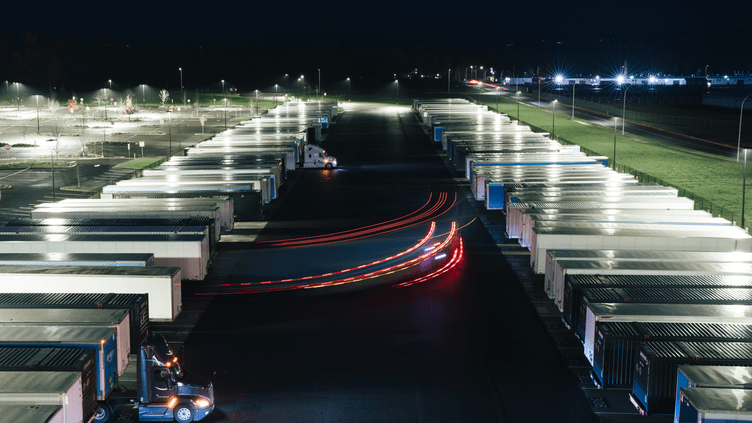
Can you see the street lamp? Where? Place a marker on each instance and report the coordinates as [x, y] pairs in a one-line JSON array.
[[739, 141], [287, 83], [518, 106], [257, 106], [18, 98], [275, 95], [319, 86], [223, 87], [573, 87], [553, 130], [614, 160], [110, 80], [621, 80], [449, 79], [37, 96], [349, 90], [225, 101], [397, 83], [181, 79], [744, 185]]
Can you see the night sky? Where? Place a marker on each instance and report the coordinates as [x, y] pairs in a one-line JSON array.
[[575, 36]]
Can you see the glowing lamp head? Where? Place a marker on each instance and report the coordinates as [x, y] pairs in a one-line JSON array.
[[620, 79], [559, 79]]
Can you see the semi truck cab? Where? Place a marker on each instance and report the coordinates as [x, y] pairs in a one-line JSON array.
[[315, 157], [164, 392]]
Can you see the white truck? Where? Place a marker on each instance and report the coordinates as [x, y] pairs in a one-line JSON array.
[[315, 156]]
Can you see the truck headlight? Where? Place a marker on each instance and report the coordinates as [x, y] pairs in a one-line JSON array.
[[202, 402]]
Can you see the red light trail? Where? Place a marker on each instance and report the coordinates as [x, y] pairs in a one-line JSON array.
[[457, 254], [427, 212]]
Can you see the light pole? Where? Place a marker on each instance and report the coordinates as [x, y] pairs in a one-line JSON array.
[[223, 87], [622, 84], [257, 108], [349, 89], [553, 130], [518, 106], [739, 141], [318, 88], [573, 87], [275, 95], [287, 83], [744, 185], [449, 79], [105, 104], [615, 120], [397, 83], [18, 98], [302, 85], [181, 79], [110, 80], [52, 165], [37, 96], [225, 101], [143, 94]]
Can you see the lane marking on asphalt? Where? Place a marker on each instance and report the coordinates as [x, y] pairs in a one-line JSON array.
[[24, 170]]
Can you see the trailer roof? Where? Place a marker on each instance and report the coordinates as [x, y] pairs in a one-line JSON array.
[[36, 382], [101, 238], [700, 312], [695, 256], [29, 414], [718, 375], [708, 231], [720, 402], [22, 316], [653, 267], [82, 271]]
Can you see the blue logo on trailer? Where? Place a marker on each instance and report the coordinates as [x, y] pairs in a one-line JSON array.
[[324, 122], [438, 133]]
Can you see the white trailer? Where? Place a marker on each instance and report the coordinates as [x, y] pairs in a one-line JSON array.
[[516, 216], [671, 313], [554, 256], [33, 413], [528, 217], [44, 388], [188, 252], [650, 268], [163, 284], [719, 239], [219, 208], [118, 319], [626, 217]]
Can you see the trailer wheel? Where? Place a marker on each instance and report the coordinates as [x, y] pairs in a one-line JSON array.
[[328, 166], [183, 413], [103, 413]]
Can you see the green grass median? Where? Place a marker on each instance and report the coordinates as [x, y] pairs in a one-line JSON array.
[[142, 163]]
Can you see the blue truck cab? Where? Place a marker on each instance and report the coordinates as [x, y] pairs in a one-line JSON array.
[[163, 392]]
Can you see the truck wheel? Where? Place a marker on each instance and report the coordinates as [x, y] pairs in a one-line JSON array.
[[103, 413], [183, 413], [328, 166]]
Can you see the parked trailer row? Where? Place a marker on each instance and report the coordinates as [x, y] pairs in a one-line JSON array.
[[701, 303], [162, 284], [62, 389], [137, 306], [555, 287]]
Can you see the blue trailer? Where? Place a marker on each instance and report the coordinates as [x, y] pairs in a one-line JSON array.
[[101, 340], [723, 377], [656, 363], [708, 405]]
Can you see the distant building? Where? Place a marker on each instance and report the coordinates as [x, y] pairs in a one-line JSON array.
[[720, 80]]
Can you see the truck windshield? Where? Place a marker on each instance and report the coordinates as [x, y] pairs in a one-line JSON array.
[[177, 372]]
